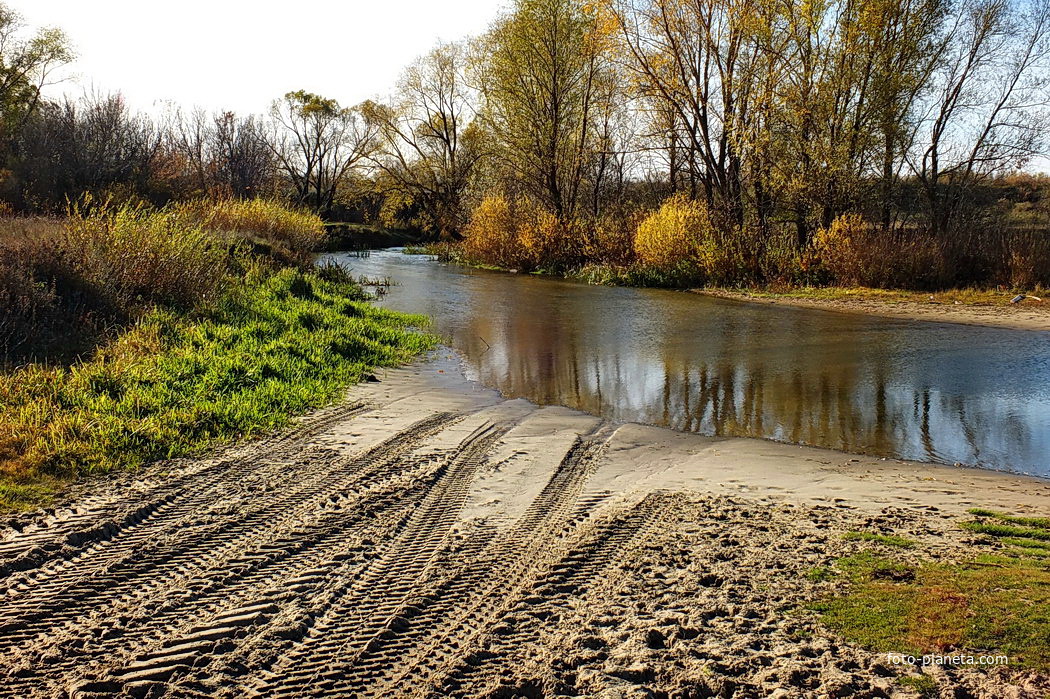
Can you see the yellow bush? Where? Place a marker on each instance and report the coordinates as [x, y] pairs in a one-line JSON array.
[[856, 254], [491, 234], [522, 235], [544, 243], [288, 233], [673, 239]]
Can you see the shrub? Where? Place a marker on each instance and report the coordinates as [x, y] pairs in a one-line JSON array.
[[140, 257], [491, 235], [541, 241], [676, 239], [289, 235], [855, 254], [611, 240], [46, 306], [1028, 260], [521, 234]]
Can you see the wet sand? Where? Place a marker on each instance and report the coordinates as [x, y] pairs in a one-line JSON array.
[[1027, 315], [430, 538]]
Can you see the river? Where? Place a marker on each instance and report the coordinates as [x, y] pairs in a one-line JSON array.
[[933, 392]]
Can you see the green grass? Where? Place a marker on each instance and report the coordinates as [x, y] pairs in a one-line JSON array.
[[1006, 530], [887, 540], [276, 345], [1041, 522], [923, 685], [997, 603], [820, 574], [1000, 607]]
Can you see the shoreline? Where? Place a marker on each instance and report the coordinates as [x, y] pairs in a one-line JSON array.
[[508, 548], [1029, 315], [1034, 317]]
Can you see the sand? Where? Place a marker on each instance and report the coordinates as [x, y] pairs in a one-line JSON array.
[[1026, 315], [430, 538]]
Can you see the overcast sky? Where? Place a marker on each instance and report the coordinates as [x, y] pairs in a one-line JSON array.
[[240, 55]]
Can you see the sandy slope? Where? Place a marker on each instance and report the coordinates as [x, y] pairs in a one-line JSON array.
[[432, 539], [1027, 315]]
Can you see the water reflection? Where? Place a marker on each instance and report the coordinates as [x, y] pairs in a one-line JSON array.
[[934, 392]]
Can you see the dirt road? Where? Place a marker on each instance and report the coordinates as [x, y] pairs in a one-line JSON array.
[[432, 539]]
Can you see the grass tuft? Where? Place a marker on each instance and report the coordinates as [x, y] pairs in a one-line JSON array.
[[1039, 522]]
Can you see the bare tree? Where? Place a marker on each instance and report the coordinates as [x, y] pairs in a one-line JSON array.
[[242, 162], [95, 144], [987, 111], [317, 144], [429, 150]]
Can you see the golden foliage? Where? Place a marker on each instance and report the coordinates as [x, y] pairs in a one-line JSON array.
[[673, 238], [295, 230]]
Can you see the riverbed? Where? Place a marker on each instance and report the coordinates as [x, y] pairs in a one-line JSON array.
[[892, 388]]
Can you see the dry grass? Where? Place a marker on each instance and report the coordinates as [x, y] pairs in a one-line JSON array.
[[287, 234], [963, 297], [67, 285], [142, 257]]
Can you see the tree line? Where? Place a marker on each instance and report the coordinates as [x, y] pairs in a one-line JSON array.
[[798, 128]]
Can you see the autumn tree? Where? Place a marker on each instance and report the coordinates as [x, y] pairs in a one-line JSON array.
[[317, 144], [218, 154], [27, 65], [987, 107], [699, 63], [540, 74], [429, 147]]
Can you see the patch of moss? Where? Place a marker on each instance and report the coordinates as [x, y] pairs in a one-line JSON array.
[[923, 685]]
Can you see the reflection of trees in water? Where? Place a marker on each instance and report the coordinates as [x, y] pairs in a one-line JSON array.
[[850, 396]]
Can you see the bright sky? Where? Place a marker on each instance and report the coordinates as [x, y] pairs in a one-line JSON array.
[[240, 55]]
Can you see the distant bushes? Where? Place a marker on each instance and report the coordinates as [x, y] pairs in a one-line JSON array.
[[855, 254], [65, 284], [681, 243]]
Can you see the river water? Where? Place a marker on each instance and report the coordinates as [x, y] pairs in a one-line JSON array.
[[933, 392]]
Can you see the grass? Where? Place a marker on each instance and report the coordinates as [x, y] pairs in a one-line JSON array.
[[923, 685], [274, 345], [998, 603], [1042, 522], [1006, 530], [887, 540]]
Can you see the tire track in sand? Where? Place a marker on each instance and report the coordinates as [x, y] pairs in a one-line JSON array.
[[241, 548], [369, 601], [424, 628]]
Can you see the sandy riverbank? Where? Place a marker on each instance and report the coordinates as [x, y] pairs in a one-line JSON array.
[[1027, 315], [433, 539]]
